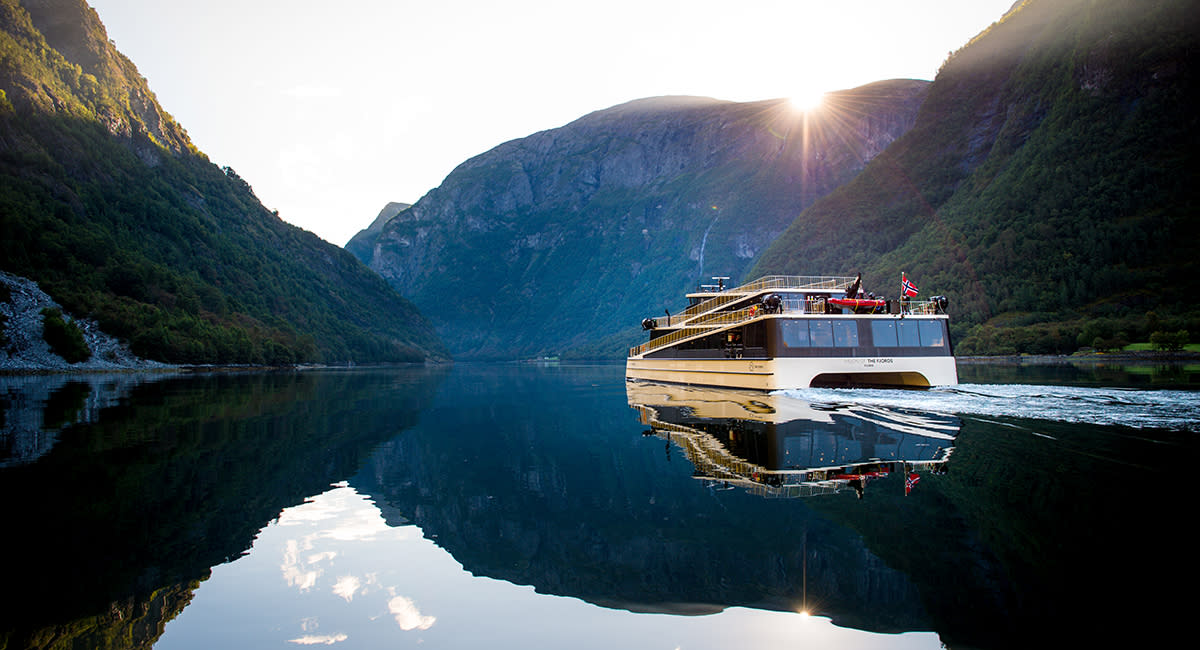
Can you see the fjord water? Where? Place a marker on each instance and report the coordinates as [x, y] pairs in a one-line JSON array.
[[528, 506]]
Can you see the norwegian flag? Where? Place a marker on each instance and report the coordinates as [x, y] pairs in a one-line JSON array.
[[907, 287], [910, 481]]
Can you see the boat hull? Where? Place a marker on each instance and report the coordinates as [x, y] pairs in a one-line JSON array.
[[782, 373]]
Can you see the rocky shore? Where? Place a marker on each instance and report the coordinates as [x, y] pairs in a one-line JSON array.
[[23, 348]]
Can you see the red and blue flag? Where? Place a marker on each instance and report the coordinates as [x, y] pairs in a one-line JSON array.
[[910, 481]]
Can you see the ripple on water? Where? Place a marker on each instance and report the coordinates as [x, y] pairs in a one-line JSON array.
[[1142, 409]]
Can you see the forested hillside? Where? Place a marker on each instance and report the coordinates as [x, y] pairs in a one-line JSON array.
[[105, 202], [1049, 186]]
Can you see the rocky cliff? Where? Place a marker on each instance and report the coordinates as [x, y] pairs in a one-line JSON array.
[[561, 242]]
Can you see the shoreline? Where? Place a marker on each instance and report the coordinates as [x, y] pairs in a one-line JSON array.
[[1091, 357], [1139, 357]]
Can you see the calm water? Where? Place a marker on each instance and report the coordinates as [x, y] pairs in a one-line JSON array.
[[552, 507]]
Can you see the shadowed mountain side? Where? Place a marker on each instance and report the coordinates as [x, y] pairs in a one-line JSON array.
[[561, 242], [109, 207], [179, 477], [1051, 178]]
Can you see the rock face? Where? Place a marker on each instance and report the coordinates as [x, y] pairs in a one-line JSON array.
[[74, 30], [24, 348], [561, 242]]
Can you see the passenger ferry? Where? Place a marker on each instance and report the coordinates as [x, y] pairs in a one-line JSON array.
[[784, 331]]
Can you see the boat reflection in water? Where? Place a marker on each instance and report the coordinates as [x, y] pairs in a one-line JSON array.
[[782, 447]]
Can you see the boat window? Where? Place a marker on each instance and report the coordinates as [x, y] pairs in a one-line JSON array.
[[932, 334], [821, 332], [884, 333], [795, 333], [845, 333], [906, 330]]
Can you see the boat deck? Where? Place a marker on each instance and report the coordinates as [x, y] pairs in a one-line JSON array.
[[711, 315]]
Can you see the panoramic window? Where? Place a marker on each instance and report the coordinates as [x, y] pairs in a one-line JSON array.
[[884, 333], [821, 333], [845, 333], [907, 332], [932, 334], [795, 333]]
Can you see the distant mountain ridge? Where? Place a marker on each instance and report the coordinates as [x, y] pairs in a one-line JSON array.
[[106, 203], [359, 244], [561, 242]]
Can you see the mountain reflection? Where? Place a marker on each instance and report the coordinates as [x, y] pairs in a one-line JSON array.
[[1019, 531], [544, 477], [781, 447], [110, 528], [553, 487]]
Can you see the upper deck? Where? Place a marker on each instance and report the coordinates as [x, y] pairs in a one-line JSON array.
[[705, 302], [716, 308]]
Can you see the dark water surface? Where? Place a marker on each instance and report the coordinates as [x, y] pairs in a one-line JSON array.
[[549, 507]]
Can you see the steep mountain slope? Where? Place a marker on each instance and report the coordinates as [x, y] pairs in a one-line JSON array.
[[360, 244], [1051, 178], [563, 241], [107, 204]]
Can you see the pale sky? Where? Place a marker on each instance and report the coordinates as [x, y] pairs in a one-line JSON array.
[[332, 109]]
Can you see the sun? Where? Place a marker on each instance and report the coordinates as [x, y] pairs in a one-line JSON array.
[[807, 100]]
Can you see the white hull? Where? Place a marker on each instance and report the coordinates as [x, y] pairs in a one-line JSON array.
[[791, 372]]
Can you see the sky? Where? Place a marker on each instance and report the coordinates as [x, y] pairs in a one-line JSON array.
[[332, 109]]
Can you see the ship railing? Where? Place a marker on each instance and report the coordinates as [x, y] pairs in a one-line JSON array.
[[667, 339], [920, 307], [699, 326], [712, 303], [813, 282], [809, 282]]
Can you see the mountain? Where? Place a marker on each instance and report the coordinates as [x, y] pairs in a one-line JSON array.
[[563, 241], [110, 208], [360, 244], [1049, 186]]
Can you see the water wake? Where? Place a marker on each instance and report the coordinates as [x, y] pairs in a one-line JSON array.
[[1141, 409]]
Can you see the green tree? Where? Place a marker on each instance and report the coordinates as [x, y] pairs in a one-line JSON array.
[[65, 338], [1169, 341]]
